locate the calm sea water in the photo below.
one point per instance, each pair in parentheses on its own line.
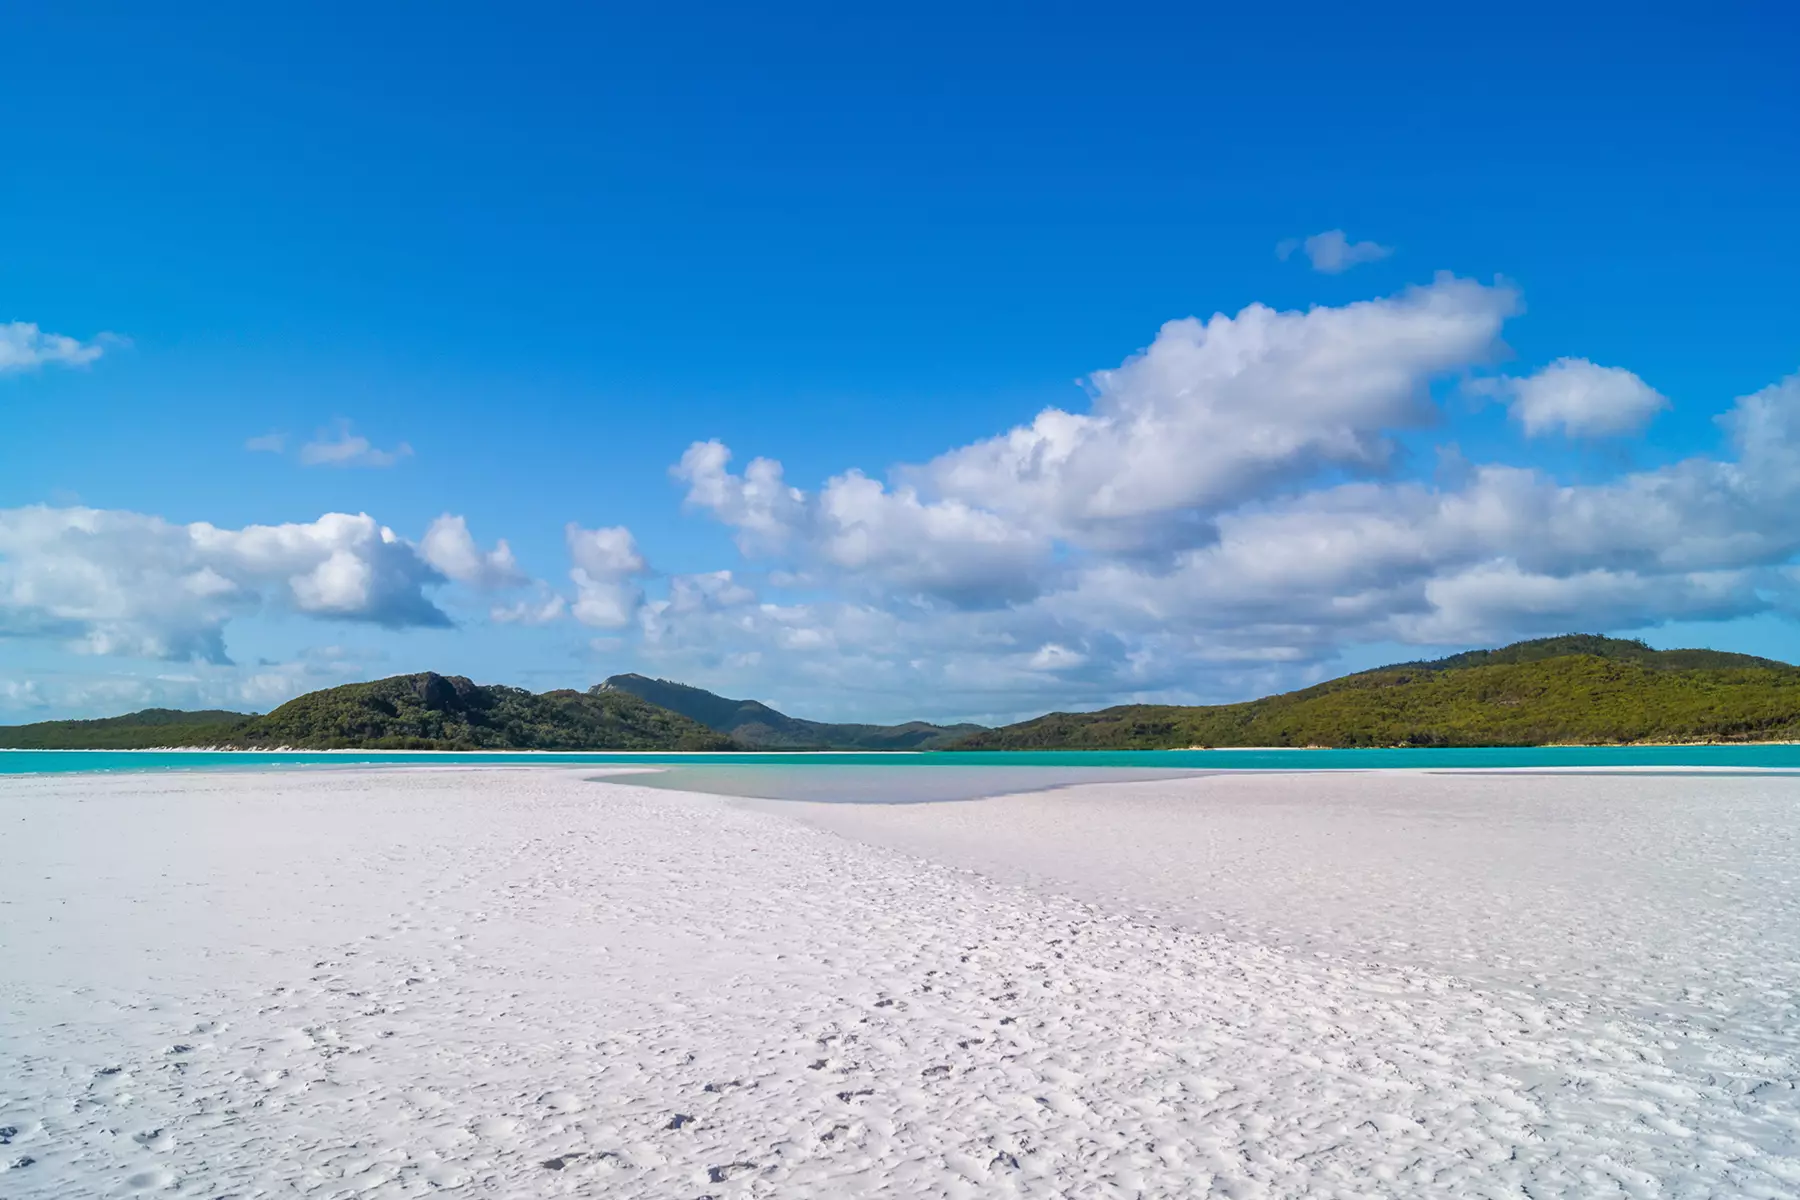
(902,778)
(16,762)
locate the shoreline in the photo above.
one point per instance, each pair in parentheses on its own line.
(739,754)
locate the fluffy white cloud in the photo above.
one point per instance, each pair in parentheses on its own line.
(894,539)
(1576,397)
(1332,252)
(113,582)
(339,447)
(607,566)
(1509,552)
(450,548)
(1215,413)
(23,346)
(1212,414)
(759,504)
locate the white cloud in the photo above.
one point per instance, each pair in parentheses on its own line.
(545,609)
(339,447)
(604,553)
(607,564)
(1219,412)
(268,443)
(23,347)
(449,547)
(759,504)
(893,539)
(1054,657)
(1332,252)
(1578,398)
(1212,414)
(116,582)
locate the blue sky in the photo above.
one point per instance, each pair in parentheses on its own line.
(531,255)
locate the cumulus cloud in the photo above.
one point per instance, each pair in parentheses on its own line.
(759,504)
(1218,412)
(1510,553)
(1332,252)
(1212,414)
(116,582)
(1578,398)
(24,347)
(893,538)
(339,447)
(450,548)
(607,567)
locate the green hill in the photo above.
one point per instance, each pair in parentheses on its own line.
(1578,689)
(407,712)
(1616,649)
(760,727)
(133,731)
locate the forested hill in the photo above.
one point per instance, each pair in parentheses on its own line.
(1615,649)
(407,712)
(756,725)
(133,731)
(1579,689)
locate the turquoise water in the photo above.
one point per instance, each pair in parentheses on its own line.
(914,778)
(16,762)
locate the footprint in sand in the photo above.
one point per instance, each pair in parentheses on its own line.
(563,1102)
(152,1181)
(496,1128)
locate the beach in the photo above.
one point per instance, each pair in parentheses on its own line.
(533,981)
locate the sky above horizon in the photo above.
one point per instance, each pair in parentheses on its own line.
(958,363)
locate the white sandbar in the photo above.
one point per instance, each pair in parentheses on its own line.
(524,983)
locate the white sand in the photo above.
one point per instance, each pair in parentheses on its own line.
(519,983)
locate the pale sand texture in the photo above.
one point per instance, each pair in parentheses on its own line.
(400,983)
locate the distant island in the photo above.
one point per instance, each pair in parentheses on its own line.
(407,712)
(1578,689)
(756,725)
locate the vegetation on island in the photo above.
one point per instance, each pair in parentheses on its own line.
(134,731)
(407,712)
(1578,689)
(760,727)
